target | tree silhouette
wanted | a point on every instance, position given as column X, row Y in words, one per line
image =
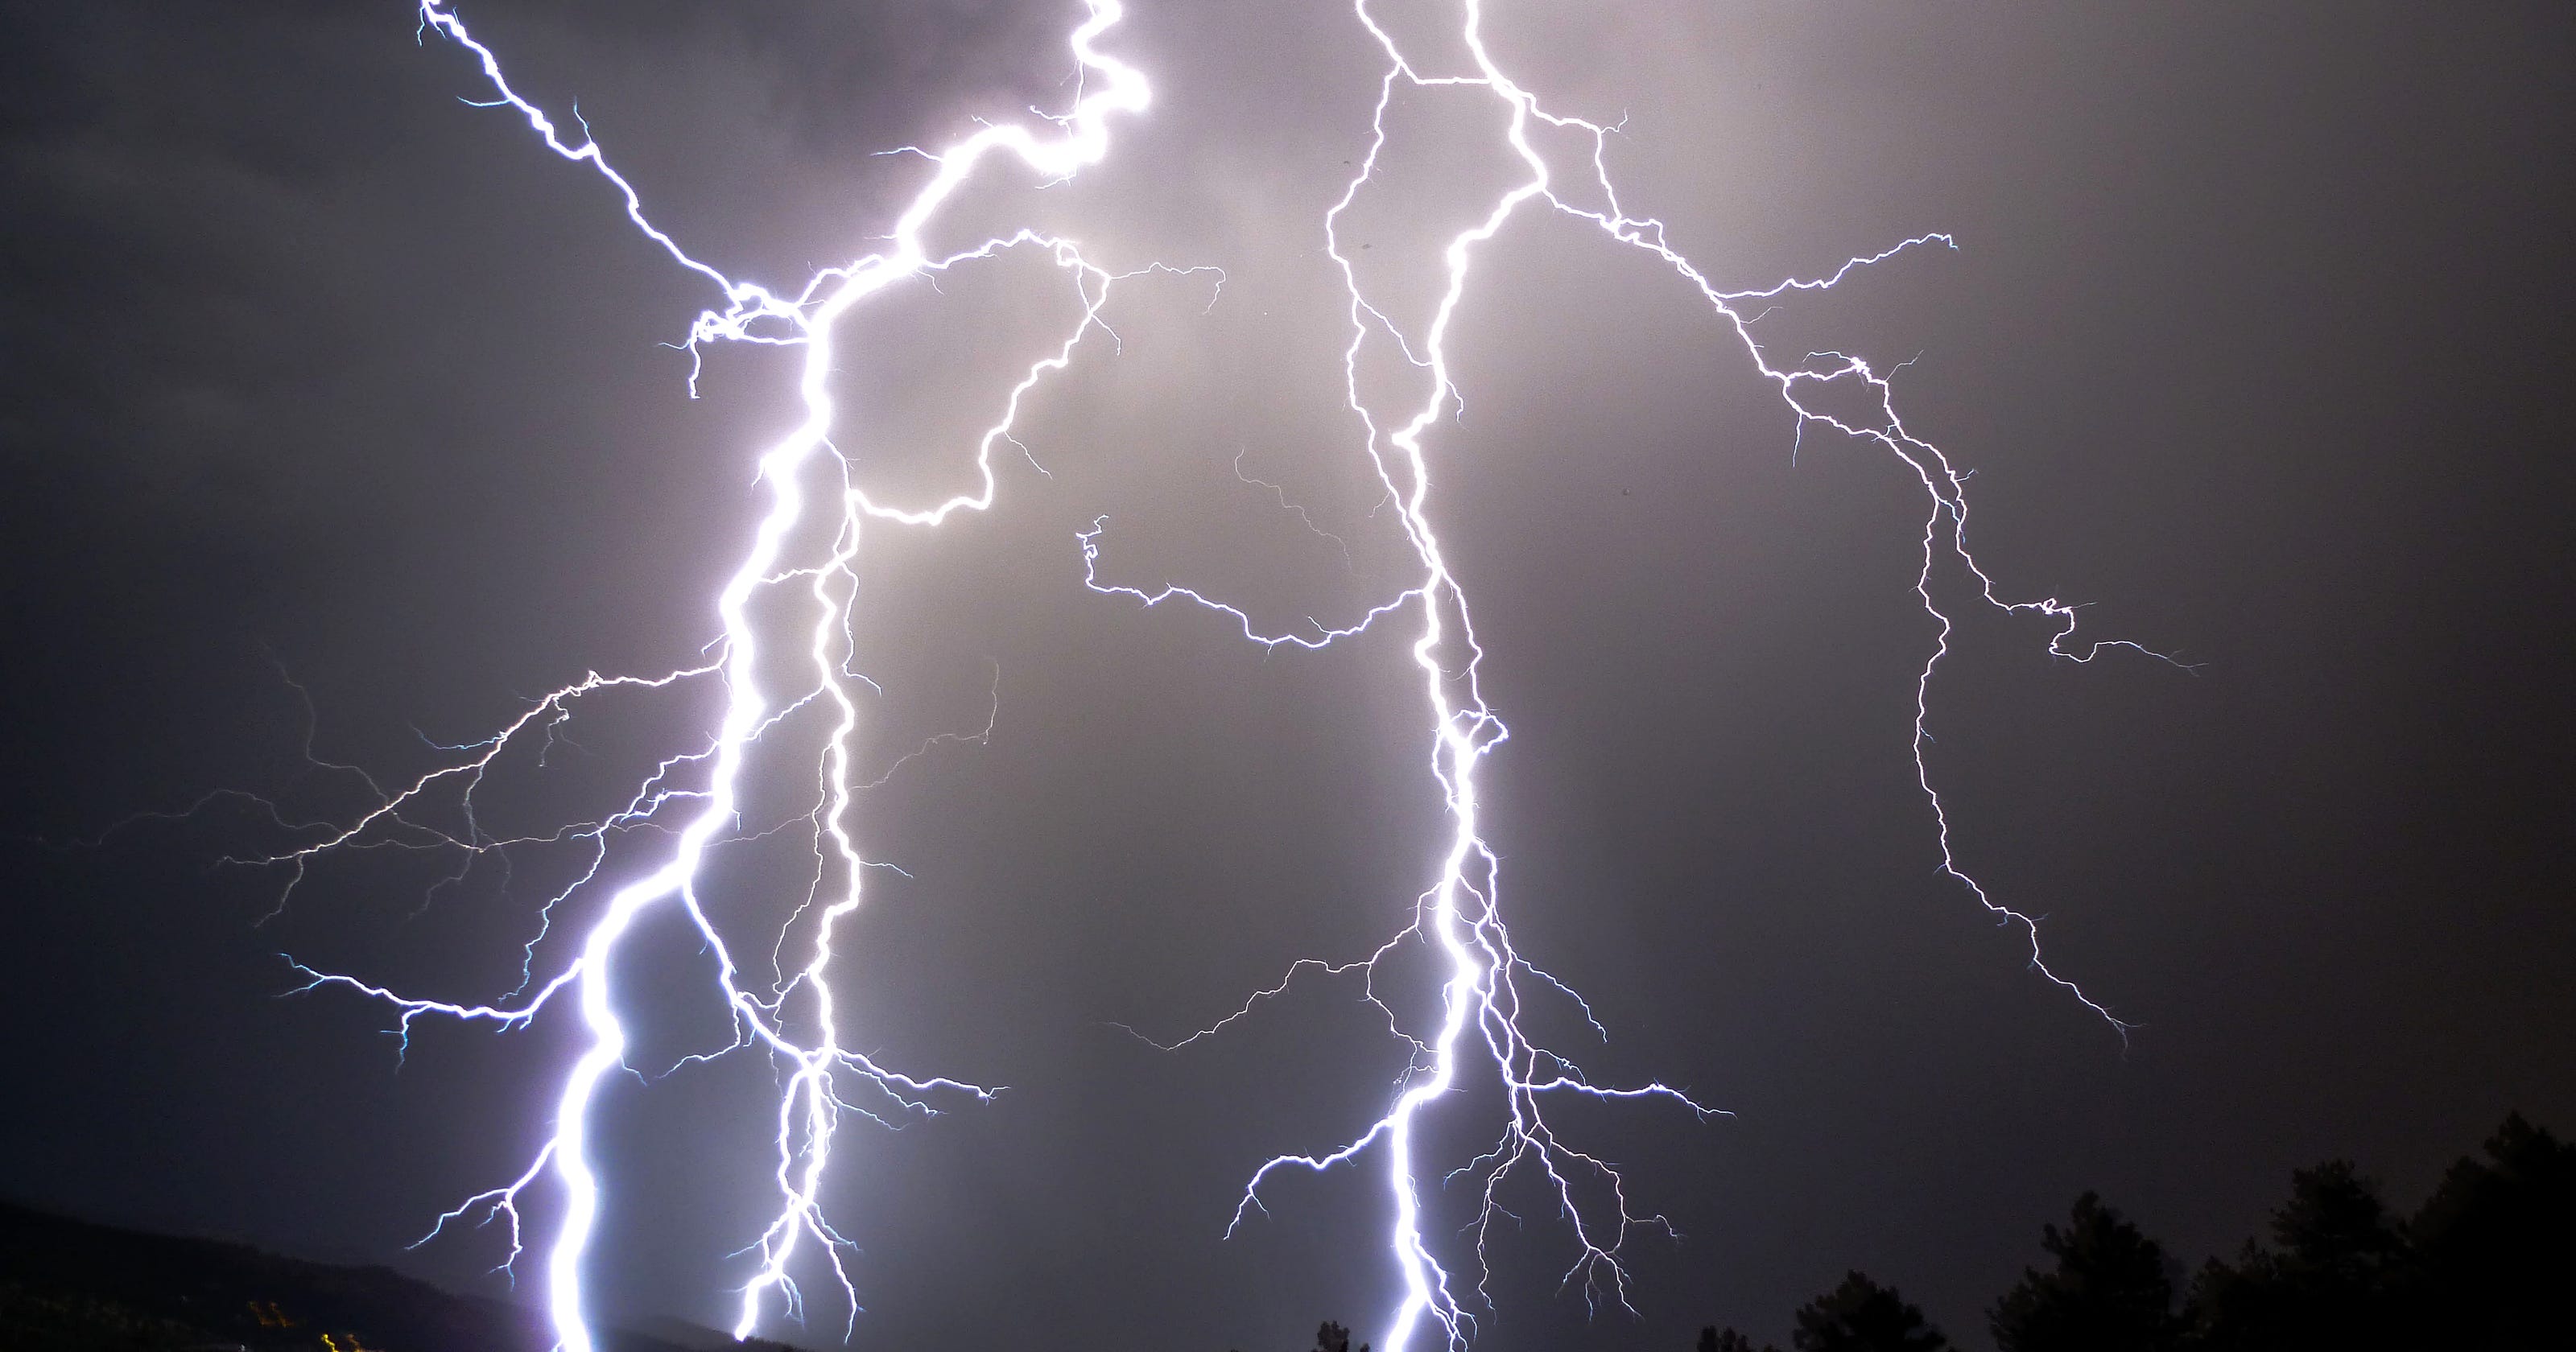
column 1862, row 1316
column 2497, row 1242
column 2112, row 1291
column 2488, row 1264
column 1333, row 1337
column 2342, row 1276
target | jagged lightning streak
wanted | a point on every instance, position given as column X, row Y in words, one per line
column 814, row 1061
column 1459, row 915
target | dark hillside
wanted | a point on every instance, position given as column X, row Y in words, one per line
column 69, row 1286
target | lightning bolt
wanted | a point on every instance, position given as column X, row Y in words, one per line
column 693, row 799
column 1459, row 916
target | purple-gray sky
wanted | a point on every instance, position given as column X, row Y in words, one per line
column 2255, row 337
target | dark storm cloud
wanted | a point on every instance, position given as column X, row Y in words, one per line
column 2253, row 336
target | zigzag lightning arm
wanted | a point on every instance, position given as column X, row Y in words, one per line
column 691, row 802
column 1460, row 915
column 806, row 317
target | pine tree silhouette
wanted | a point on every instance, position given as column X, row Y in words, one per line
column 1862, row 1316
column 2497, row 1241
column 2340, row 1276
column 2112, row 1291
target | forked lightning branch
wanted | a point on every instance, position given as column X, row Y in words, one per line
column 1467, row 1030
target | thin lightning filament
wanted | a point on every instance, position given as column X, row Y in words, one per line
column 793, row 1019
column 692, row 803
column 1481, row 999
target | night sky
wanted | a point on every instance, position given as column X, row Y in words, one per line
column 2257, row 336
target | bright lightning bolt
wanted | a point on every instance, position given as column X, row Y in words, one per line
column 1459, row 916
column 694, row 798
column 793, row 1020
